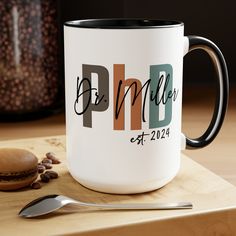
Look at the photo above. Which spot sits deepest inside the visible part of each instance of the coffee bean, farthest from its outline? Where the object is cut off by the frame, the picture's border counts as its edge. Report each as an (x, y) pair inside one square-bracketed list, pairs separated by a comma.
[(56, 161), (41, 168), (45, 178), (47, 165), (52, 174), (46, 160), (52, 156), (36, 185)]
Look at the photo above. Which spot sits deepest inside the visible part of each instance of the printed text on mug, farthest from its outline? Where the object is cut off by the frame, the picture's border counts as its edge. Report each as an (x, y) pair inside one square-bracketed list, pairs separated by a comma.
[(155, 92)]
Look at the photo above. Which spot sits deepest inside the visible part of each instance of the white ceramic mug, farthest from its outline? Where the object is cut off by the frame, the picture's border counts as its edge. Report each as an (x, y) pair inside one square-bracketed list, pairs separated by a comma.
[(123, 82)]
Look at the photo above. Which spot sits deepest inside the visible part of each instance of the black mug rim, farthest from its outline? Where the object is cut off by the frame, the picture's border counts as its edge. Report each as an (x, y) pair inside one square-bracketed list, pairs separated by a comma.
[(123, 23)]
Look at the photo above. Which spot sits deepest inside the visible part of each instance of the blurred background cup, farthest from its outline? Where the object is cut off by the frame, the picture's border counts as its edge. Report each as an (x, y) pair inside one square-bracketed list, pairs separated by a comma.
[(31, 84)]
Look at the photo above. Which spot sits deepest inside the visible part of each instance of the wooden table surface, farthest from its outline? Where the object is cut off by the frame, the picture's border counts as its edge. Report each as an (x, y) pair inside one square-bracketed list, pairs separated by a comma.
[(219, 157), (213, 199)]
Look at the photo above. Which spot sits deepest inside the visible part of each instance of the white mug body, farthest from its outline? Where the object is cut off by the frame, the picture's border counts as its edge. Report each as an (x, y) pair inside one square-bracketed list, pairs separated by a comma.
[(123, 106)]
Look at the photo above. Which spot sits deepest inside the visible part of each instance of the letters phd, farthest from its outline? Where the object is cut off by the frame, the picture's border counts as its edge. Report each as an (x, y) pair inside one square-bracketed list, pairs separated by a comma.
[(156, 91)]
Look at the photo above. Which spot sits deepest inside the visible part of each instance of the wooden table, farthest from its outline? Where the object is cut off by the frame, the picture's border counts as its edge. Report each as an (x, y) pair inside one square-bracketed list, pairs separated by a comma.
[(213, 213)]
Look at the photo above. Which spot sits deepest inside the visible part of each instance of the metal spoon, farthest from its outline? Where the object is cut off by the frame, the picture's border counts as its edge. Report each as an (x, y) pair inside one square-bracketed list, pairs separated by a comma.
[(49, 203)]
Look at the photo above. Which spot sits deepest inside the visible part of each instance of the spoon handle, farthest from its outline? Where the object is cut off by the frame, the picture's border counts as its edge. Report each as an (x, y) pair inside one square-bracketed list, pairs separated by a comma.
[(140, 206)]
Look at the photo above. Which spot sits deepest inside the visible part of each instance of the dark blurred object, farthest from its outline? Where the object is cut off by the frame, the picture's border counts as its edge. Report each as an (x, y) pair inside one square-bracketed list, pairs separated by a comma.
[(84, 9), (30, 86)]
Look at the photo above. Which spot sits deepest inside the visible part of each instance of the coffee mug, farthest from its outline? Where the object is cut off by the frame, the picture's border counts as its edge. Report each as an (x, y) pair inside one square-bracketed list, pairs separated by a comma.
[(123, 80)]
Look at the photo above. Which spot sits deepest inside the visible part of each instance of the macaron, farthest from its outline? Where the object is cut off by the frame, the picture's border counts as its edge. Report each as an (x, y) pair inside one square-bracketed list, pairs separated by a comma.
[(18, 168)]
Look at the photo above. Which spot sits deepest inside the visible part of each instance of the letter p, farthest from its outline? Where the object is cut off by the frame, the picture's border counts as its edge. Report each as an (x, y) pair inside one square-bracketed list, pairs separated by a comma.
[(102, 92)]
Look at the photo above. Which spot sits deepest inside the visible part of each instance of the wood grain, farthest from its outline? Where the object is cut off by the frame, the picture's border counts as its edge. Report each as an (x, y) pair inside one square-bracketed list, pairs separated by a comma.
[(214, 201)]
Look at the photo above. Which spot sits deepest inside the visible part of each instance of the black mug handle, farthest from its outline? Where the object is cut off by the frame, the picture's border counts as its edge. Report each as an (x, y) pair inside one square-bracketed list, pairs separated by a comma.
[(217, 58)]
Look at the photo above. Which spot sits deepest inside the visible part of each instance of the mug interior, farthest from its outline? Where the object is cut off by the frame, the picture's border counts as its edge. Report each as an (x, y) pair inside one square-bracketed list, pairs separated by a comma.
[(123, 23)]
